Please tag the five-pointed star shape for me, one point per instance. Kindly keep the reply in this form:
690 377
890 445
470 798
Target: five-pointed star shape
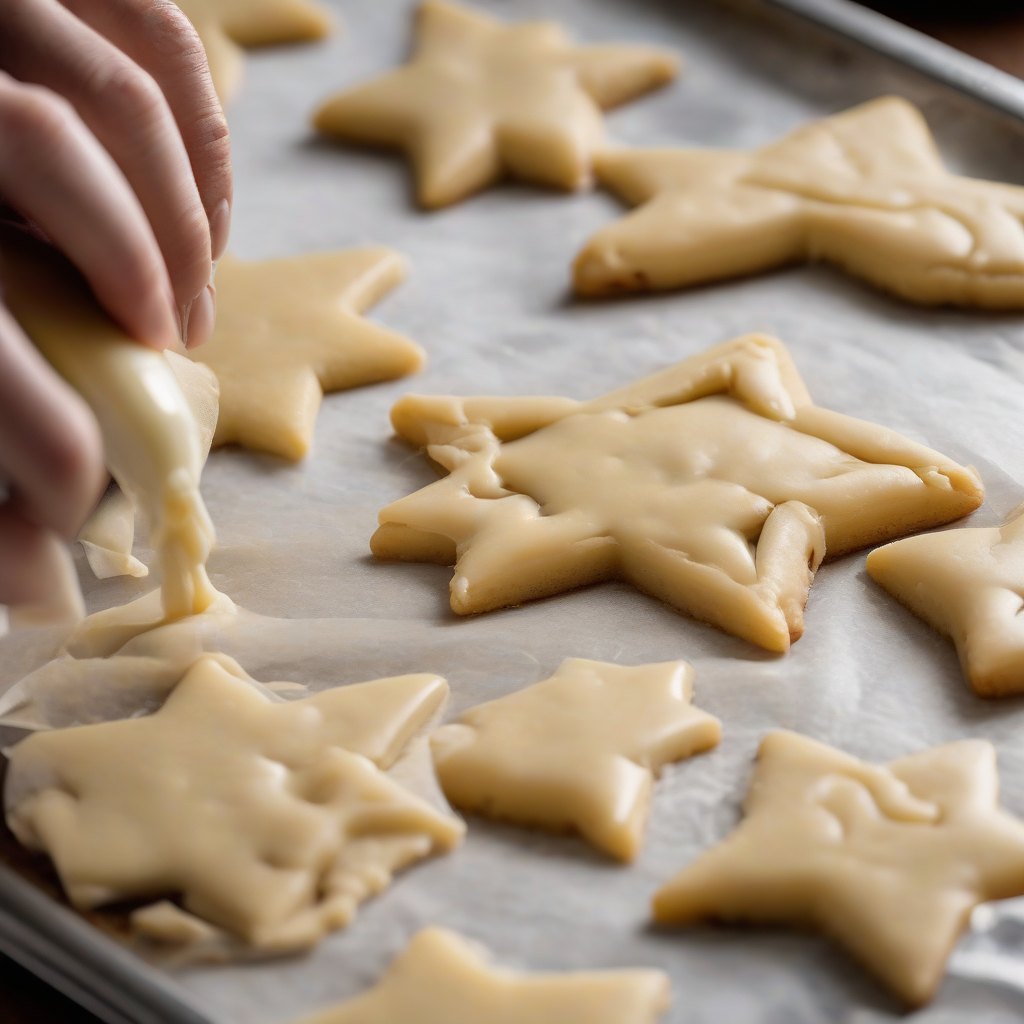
480 99
290 329
864 189
272 820
889 861
577 751
715 485
226 25
441 977
969 585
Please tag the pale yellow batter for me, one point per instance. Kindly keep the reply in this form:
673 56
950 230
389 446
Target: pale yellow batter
969 585
715 485
272 820
888 861
289 329
480 99
865 189
441 978
578 751
226 25
152 443
109 534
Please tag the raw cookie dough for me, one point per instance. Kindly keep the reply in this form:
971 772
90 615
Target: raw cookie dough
226 25
969 585
118 663
289 329
152 443
888 860
273 820
109 533
864 189
577 751
715 485
441 978
480 99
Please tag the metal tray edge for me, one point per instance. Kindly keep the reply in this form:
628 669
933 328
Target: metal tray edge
936 59
87 966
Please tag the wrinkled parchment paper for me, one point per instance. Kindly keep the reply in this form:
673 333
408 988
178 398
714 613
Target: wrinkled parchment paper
488 299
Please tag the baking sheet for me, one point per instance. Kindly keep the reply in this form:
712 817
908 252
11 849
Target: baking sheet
488 299
936 59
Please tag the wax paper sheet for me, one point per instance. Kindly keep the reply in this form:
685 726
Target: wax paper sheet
488 299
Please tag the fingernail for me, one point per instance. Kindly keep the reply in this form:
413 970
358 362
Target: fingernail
220 228
201 317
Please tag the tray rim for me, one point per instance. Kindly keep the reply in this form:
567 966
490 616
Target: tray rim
118 987
81 962
908 46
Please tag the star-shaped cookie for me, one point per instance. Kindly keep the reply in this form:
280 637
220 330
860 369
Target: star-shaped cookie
715 485
864 189
272 820
480 99
441 976
969 585
290 329
226 25
887 860
577 751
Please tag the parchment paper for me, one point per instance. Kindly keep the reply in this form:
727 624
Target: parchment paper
488 299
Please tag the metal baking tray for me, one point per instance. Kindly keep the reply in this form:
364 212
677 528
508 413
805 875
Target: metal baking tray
488 299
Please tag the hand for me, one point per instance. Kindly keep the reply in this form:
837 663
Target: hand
114 146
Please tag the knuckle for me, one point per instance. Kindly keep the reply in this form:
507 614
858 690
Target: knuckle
174 34
172 39
33 116
122 84
214 134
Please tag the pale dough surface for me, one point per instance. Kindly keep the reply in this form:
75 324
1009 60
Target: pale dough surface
715 485
226 25
273 820
152 442
290 329
441 978
109 533
865 190
480 99
116 663
969 585
888 860
577 751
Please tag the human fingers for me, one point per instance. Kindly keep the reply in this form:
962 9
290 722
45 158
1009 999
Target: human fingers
162 41
42 42
51 454
55 172
38 582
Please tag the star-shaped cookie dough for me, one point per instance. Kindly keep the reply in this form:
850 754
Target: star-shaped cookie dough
226 25
577 751
272 820
969 585
715 485
480 99
441 976
864 189
887 860
290 329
